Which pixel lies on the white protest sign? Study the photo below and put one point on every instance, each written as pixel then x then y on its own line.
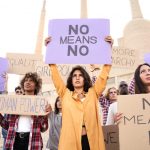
pixel 23 104
pixel 124 57
pixel 134 129
pixel 20 63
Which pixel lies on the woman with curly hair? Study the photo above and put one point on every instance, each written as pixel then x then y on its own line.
pixel 24 132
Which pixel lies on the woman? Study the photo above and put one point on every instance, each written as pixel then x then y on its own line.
pixel 81 127
pixel 55 126
pixel 106 101
pixel 141 83
pixel 24 132
pixel 111 107
pixel 142 79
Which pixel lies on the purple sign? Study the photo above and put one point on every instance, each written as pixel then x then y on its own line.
pixel 78 41
pixel 3 70
pixel 147 58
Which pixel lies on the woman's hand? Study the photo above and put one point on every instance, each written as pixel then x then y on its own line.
pixel 117 118
pixel 94 67
pixel 48 108
pixel 47 40
pixel 109 40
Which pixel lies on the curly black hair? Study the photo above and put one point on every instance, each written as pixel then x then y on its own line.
pixel 36 79
pixel 17 88
pixel 87 80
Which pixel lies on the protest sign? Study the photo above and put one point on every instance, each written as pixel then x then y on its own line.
pixel 64 69
pixel 20 63
pixel 134 129
pixel 147 58
pixel 111 137
pixel 3 70
pixel 124 57
pixel 23 104
pixel 2 84
pixel 3 64
pixel 78 41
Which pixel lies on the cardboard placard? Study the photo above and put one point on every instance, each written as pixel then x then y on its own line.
pixel 20 63
pixel 64 69
pixel 78 41
pixel 124 57
pixel 111 137
pixel 134 129
pixel 23 104
pixel 3 70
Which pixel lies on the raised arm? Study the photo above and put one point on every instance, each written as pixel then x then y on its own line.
pixel 57 80
pixel 101 81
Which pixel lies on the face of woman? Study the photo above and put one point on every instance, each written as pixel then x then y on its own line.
pixel 113 94
pixel 145 74
pixel 59 104
pixel 29 85
pixel 77 79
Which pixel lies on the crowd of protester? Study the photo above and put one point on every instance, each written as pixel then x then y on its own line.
pixel 75 122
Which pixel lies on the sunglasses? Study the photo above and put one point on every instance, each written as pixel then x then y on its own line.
pixel 123 85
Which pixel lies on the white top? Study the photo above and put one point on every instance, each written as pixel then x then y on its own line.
pixel 111 112
pixel 24 124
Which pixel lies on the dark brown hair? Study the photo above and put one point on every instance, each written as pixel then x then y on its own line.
pixel 36 79
pixel 87 80
pixel 17 88
pixel 56 109
pixel 139 85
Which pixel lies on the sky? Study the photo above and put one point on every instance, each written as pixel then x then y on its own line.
pixel 19 20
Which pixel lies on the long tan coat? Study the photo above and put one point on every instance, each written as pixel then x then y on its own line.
pixel 74 112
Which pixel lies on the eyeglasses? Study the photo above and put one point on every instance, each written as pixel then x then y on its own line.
pixel 18 92
pixel 114 92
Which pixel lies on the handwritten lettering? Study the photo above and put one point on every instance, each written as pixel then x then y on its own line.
pixel 22 104
pixel 124 57
pixel 22 62
pixel 135 119
pixel 110 138
pixel 145 103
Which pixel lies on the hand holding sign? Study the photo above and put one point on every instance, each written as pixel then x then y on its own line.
pixel 47 40
pixel 48 108
pixel 117 118
pixel 110 40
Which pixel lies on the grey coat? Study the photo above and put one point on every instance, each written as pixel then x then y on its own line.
pixel 54 131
